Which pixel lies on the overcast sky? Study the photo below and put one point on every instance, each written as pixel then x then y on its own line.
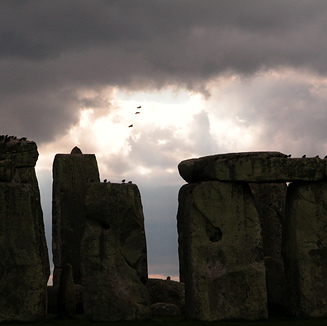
pixel 212 76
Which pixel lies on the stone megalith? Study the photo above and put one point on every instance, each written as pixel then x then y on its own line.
pixel 305 248
pixel 252 167
pixel 71 175
pixel 270 199
pixel 66 303
pixel 114 257
pixel 24 263
pixel 221 252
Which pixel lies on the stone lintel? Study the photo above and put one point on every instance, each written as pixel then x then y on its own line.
pixel 253 167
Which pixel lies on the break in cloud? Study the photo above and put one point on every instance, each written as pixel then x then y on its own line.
pixel 211 76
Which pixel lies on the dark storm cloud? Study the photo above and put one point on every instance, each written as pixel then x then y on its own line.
pixel 50 48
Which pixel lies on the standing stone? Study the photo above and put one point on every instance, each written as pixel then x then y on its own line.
pixel 270 199
pixel 114 261
pixel 66 305
pixel 222 252
pixel 24 263
pixel 71 175
pixel 305 248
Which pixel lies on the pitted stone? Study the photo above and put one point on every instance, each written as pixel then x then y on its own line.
pixel 114 261
pixel 23 274
pixel 252 167
pixel 222 252
pixel 305 248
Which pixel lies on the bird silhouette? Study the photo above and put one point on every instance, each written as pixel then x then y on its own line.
pixel 289 155
pixel 137 112
pixel 129 182
pixel 325 157
pixel 139 107
pixel 130 126
pixel 304 156
pixel 123 181
pixel 105 180
pixel 317 156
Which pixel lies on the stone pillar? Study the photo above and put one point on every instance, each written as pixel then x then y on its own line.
pixel 24 262
pixel 221 252
pixel 71 175
pixel 270 199
pixel 114 261
pixel 305 248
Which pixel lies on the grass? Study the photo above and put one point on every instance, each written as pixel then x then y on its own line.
pixel 178 321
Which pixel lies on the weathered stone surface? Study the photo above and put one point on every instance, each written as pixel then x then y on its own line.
pixel 270 199
pixel 114 262
pixel 53 298
pixel 166 291
pixel 66 305
pixel 21 153
pixel 71 175
pixel 163 309
pixel 6 171
pixel 252 167
pixel 222 252
pixel 305 248
pixel 23 276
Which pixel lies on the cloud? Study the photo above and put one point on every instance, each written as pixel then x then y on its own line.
pixel 51 50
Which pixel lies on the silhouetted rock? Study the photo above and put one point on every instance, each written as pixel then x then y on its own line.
pixel 66 305
pixel 222 252
pixel 71 175
pixel 114 261
pixel 305 248
pixel 53 299
pixel 252 167
pixel 166 291
pixel 270 199
pixel 163 309
pixel 24 263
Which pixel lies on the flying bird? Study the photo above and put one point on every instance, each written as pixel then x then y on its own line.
pixel 139 107
pixel 130 126
pixel 304 156
pixel 138 112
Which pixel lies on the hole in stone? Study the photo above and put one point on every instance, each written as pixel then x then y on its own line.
pixel 105 225
pixel 213 232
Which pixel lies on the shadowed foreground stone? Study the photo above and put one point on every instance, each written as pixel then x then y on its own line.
pixel 66 305
pixel 270 199
pixel 305 248
pixel 252 167
pixel 71 175
pixel 114 261
pixel 221 252
pixel 23 282
pixel 166 291
pixel 24 262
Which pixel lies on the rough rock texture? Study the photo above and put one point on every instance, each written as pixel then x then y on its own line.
pixel 163 309
pixel 305 248
pixel 66 305
pixel 166 291
pixel 71 175
pixel 222 252
pixel 270 199
pixel 24 263
pixel 252 167
pixel 53 298
pixel 114 261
